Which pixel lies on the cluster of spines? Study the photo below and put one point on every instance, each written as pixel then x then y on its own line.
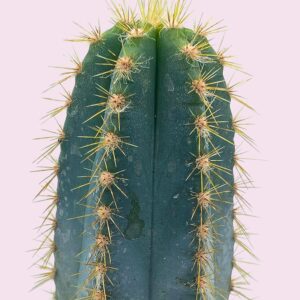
pixel 207 165
pixel 48 226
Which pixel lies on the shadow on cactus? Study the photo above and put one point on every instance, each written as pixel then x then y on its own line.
pixel 147 200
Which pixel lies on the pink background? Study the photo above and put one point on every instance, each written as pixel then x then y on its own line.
pixel 265 38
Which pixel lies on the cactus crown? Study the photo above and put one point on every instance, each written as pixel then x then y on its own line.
pixel 149 181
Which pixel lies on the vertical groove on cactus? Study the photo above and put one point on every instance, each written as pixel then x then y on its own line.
pixel 147 204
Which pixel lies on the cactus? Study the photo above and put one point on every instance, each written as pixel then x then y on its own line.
pixel 144 206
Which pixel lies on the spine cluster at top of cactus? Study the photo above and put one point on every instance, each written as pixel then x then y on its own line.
pixel 144 206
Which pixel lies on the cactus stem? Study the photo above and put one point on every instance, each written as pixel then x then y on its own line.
pixel 211 163
pixel 91 35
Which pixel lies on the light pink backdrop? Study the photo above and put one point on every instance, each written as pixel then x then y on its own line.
pixel 265 38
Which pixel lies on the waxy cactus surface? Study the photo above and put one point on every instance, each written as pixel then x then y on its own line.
pixel 144 207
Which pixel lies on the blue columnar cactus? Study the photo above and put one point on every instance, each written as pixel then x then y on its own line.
pixel 145 196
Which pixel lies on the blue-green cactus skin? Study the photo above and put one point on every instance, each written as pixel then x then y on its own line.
pixel 129 254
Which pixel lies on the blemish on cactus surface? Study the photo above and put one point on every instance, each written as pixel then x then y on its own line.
pixel 135 224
